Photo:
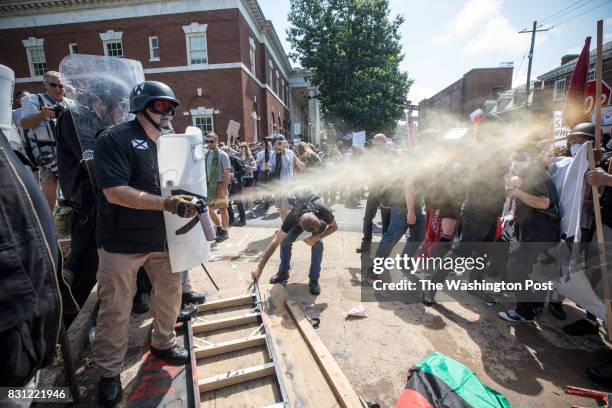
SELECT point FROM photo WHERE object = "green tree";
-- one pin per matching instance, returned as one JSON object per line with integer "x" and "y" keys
{"x": 353, "y": 48}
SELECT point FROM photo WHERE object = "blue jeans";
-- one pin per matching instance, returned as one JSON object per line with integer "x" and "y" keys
{"x": 397, "y": 228}
{"x": 316, "y": 254}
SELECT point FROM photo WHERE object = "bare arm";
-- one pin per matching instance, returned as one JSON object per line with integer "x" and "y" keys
{"x": 130, "y": 197}
{"x": 226, "y": 179}
{"x": 32, "y": 121}
{"x": 331, "y": 228}
{"x": 298, "y": 164}
{"x": 278, "y": 238}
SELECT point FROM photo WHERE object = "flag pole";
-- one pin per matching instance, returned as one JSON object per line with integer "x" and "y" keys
{"x": 596, "y": 205}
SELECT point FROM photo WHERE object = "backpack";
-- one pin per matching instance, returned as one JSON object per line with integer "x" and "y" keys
{"x": 239, "y": 167}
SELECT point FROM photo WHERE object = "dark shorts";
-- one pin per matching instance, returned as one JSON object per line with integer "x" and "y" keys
{"x": 247, "y": 182}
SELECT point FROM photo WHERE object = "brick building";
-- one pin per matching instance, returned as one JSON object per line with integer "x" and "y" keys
{"x": 554, "y": 83}
{"x": 222, "y": 58}
{"x": 462, "y": 97}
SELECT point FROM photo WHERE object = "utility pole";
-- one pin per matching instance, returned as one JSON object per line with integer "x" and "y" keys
{"x": 533, "y": 31}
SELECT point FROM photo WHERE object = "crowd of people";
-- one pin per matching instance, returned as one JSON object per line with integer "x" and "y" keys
{"x": 448, "y": 196}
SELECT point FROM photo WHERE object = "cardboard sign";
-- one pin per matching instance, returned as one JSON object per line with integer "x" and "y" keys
{"x": 232, "y": 131}
{"x": 359, "y": 138}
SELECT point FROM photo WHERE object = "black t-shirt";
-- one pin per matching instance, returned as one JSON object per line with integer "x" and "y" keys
{"x": 538, "y": 225}
{"x": 292, "y": 220}
{"x": 125, "y": 156}
{"x": 75, "y": 153}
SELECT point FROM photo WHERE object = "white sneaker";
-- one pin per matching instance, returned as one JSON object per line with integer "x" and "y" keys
{"x": 513, "y": 316}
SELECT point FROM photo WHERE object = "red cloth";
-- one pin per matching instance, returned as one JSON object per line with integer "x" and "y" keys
{"x": 573, "y": 105}
{"x": 412, "y": 399}
{"x": 433, "y": 230}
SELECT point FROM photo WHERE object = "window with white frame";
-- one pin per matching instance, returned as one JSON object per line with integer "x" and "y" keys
{"x": 36, "y": 56}
{"x": 38, "y": 63}
{"x": 205, "y": 123}
{"x": 72, "y": 48}
{"x": 559, "y": 89}
{"x": 277, "y": 83}
{"x": 254, "y": 124}
{"x": 113, "y": 48}
{"x": 591, "y": 75}
{"x": 153, "y": 48}
{"x": 111, "y": 41}
{"x": 286, "y": 94}
{"x": 195, "y": 37}
{"x": 271, "y": 73}
{"x": 252, "y": 56}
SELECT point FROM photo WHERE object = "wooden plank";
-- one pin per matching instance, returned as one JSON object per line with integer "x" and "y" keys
{"x": 229, "y": 346}
{"x": 598, "y": 224}
{"x": 236, "y": 377}
{"x": 305, "y": 384}
{"x": 229, "y": 302}
{"x": 340, "y": 385}
{"x": 200, "y": 327}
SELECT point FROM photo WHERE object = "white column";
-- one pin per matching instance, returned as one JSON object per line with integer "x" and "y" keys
{"x": 312, "y": 113}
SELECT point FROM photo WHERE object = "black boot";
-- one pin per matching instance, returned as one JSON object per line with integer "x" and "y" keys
{"x": 192, "y": 297}
{"x": 313, "y": 286}
{"x": 556, "y": 309}
{"x": 187, "y": 312}
{"x": 280, "y": 277}
{"x": 140, "y": 304}
{"x": 109, "y": 391}
{"x": 175, "y": 355}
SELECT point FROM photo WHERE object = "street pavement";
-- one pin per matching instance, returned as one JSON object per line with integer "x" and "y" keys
{"x": 529, "y": 364}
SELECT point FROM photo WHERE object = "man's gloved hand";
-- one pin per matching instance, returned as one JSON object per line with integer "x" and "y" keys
{"x": 181, "y": 205}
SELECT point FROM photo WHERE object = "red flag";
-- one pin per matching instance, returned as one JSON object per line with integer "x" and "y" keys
{"x": 573, "y": 105}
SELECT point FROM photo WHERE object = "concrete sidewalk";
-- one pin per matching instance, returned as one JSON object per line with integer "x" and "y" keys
{"x": 529, "y": 364}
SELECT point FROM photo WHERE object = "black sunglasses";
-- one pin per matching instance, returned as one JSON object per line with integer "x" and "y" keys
{"x": 54, "y": 85}
{"x": 211, "y": 141}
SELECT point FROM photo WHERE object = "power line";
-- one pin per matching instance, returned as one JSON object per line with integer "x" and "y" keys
{"x": 581, "y": 14}
{"x": 543, "y": 20}
{"x": 567, "y": 12}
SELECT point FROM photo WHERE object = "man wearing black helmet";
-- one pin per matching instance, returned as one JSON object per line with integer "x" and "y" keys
{"x": 131, "y": 233}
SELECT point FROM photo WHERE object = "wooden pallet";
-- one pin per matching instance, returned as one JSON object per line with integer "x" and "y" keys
{"x": 257, "y": 349}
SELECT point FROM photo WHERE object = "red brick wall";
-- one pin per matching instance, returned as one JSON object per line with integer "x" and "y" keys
{"x": 479, "y": 84}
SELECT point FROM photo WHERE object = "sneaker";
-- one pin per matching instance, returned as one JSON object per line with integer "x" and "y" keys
{"x": 513, "y": 316}
{"x": 581, "y": 327}
{"x": 556, "y": 309}
{"x": 222, "y": 236}
{"x": 428, "y": 297}
{"x": 313, "y": 286}
{"x": 281, "y": 278}
{"x": 240, "y": 223}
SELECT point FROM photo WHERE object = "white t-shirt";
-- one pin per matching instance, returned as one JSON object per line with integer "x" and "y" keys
{"x": 30, "y": 104}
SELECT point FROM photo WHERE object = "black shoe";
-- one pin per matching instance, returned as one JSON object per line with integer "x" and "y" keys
{"x": 581, "y": 327}
{"x": 314, "y": 287}
{"x": 109, "y": 391}
{"x": 187, "y": 312}
{"x": 601, "y": 375}
{"x": 279, "y": 278}
{"x": 364, "y": 248}
{"x": 240, "y": 223}
{"x": 222, "y": 236}
{"x": 175, "y": 355}
{"x": 140, "y": 304}
{"x": 428, "y": 297}
{"x": 556, "y": 309}
{"x": 192, "y": 298}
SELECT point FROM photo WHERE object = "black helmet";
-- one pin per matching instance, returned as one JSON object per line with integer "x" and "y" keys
{"x": 149, "y": 91}
{"x": 583, "y": 129}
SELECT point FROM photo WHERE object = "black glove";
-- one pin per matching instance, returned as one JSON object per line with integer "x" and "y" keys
{"x": 181, "y": 205}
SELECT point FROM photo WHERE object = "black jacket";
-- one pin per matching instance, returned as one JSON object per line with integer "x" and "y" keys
{"x": 30, "y": 274}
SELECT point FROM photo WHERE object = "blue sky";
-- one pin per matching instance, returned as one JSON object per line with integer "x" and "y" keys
{"x": 443, "y": 39}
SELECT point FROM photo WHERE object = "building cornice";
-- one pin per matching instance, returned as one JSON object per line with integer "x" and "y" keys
{"x": 570, "y": 65}
{"x": 18, "y": 8}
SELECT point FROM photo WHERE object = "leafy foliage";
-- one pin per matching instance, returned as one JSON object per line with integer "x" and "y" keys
{"x": 353, "y": 48}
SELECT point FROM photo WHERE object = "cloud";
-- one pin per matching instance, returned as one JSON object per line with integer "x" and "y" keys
{"x": 499, "y": 37}
{"x": 574, "y": 50}
{"x": 471, "y": 14}
{"x": 417, "y": 93}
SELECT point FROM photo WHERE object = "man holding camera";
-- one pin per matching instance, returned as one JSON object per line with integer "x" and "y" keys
{"x": 281, "y": 166}
{"x": 131, "y": 233}
{"x": 39, "y": 115}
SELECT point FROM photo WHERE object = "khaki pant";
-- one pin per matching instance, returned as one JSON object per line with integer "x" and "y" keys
{"x": 116, "y": 289}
